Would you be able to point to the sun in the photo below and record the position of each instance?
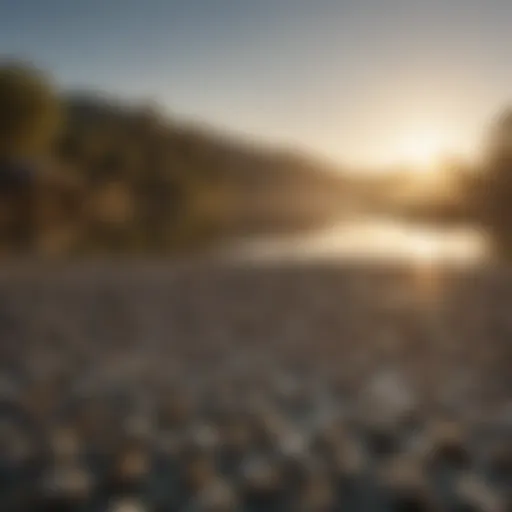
(421, 152)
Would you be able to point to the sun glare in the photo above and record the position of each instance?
(421, 152)
(424, 249)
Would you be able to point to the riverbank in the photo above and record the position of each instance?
(173, 366)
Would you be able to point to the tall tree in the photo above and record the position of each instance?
(29, 111)
(494, 188)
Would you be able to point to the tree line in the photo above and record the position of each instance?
(88, 174)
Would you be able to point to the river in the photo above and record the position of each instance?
(369, 239)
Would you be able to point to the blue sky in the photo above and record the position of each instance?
(351, 80)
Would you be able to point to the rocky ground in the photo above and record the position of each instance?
(216, 387)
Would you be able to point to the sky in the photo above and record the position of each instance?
(364, 82)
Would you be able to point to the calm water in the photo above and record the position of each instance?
(372, 239)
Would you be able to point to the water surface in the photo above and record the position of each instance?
(370, 239)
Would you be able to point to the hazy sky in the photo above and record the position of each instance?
(356, 80)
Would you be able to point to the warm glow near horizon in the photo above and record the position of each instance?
(419, 144)
(421, 151)
(418, 152)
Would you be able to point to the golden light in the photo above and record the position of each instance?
(424, 249)
(421, 152)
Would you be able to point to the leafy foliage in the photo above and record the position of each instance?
(29, 111)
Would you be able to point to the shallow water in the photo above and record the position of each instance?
(369, 239)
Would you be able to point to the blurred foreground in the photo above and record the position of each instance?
(214, 387)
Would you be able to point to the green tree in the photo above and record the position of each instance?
(29, 111)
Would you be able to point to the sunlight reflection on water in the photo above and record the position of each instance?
(371, 240)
